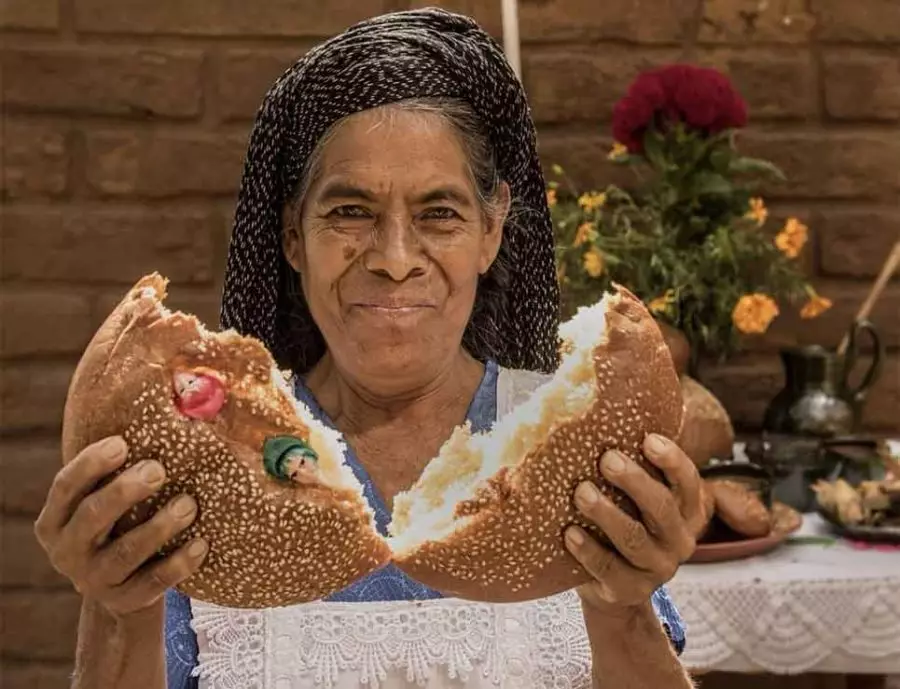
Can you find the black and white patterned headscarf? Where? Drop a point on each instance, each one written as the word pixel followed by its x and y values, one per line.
pixel 417 54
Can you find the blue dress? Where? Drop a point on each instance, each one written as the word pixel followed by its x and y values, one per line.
pixel 388 583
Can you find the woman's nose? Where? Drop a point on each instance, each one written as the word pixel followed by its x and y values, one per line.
pixel 395 250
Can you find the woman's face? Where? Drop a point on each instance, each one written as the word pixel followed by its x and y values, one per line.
pixel 390 242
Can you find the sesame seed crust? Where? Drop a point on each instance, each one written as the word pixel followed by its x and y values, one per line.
pixel 511 547
pixel 272 543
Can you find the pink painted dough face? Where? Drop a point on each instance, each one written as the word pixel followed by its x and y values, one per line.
pixel 198 396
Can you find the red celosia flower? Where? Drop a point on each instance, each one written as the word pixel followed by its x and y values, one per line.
pixel 699 97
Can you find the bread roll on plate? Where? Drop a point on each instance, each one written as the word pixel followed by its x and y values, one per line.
pixel 284 516
pixel 485 521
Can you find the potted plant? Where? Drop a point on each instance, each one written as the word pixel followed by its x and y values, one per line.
pixel 689 236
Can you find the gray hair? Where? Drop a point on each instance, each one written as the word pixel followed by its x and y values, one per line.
pixel 484 173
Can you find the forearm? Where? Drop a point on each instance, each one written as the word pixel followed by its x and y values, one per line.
pixel 632 651
pixel 119 654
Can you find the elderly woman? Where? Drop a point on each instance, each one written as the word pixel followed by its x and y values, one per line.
pixel 393 248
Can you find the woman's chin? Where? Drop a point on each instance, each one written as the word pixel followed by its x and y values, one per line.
pixel 404 363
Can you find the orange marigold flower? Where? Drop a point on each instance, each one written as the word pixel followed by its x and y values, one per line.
pixel 617 151
pixel 551 197
pixel 758 211
pixel 753 313
pixel 593 262
pixel 792 238
pixel 661 303
pixel 815 307
pixel 583 233
pixel 592 201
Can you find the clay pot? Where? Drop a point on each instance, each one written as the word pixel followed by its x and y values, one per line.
pixel 706 431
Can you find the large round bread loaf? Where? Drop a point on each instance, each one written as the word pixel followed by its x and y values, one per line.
pixel 706 431
pixel 285 518
pixel 486 519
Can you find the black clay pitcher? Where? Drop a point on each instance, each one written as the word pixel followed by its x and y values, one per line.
pixel 818 398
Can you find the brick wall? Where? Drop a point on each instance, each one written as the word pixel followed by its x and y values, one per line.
pixel 123 133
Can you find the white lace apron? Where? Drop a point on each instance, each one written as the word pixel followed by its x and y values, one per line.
pixel 436 644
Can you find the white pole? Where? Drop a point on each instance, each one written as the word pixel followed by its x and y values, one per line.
pixel 511 47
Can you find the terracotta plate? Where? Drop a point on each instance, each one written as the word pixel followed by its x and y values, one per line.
pixel 787 521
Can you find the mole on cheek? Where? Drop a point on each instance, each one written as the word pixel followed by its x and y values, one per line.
pixel 349 252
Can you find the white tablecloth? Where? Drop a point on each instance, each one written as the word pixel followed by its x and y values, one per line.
pixel 800 608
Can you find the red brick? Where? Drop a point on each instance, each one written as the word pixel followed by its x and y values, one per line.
pixel 853 242
pixel 747 384
pixel 884 399
pixel 829 328
pixel 46 623
pixel 164 165
pixel 112 245
pixel 243 77
pixel 775 84
pixel 133 82
pixel 27 565
pixel 204 305
pixel 584 159
pixel 862 86
pixel 737 21
pixel 33 160
pixel 28 467
pixel 29 14
pixel 579 85
pixel 645 21
pixel 831 164
pixel 223 17
pixel 32 395
pixel 43 322
pixel 862 21
pixel 36 675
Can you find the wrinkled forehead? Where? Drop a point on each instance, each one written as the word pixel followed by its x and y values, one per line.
pixel 377 150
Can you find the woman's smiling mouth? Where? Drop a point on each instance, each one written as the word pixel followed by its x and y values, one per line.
pixel 392 312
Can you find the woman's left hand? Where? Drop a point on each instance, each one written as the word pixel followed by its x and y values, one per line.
pixel 644 554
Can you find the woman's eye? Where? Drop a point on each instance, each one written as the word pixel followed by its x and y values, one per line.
pixel 349 212
pixel 440 214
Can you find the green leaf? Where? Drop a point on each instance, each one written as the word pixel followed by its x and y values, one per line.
pixel 720 159
pixel 653 149
pixel 709 183
pixel 557 170
pixel 744 165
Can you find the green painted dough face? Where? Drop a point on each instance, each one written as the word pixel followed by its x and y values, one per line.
pixel 290 459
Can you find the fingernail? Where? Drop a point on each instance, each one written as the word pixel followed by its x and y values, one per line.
pixel 197 548
pixel 587 494
pixel 113 448
pixel 183 506
pixel 574 536
pixel 152 472
pixel 613 462
pixel 656 443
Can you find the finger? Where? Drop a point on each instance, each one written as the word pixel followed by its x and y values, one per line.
pixel 628 536
pixel 147 586
pixel 656 502
pixel 658 507
pixel 98 512
pixel 682 474
pixel 615 579
pixel 74 481
pixel 124 556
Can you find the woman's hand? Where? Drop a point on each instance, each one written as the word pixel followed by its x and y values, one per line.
pixel 76 521
pixel 647 553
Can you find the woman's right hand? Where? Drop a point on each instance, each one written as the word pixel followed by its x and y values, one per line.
pixel 75 524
